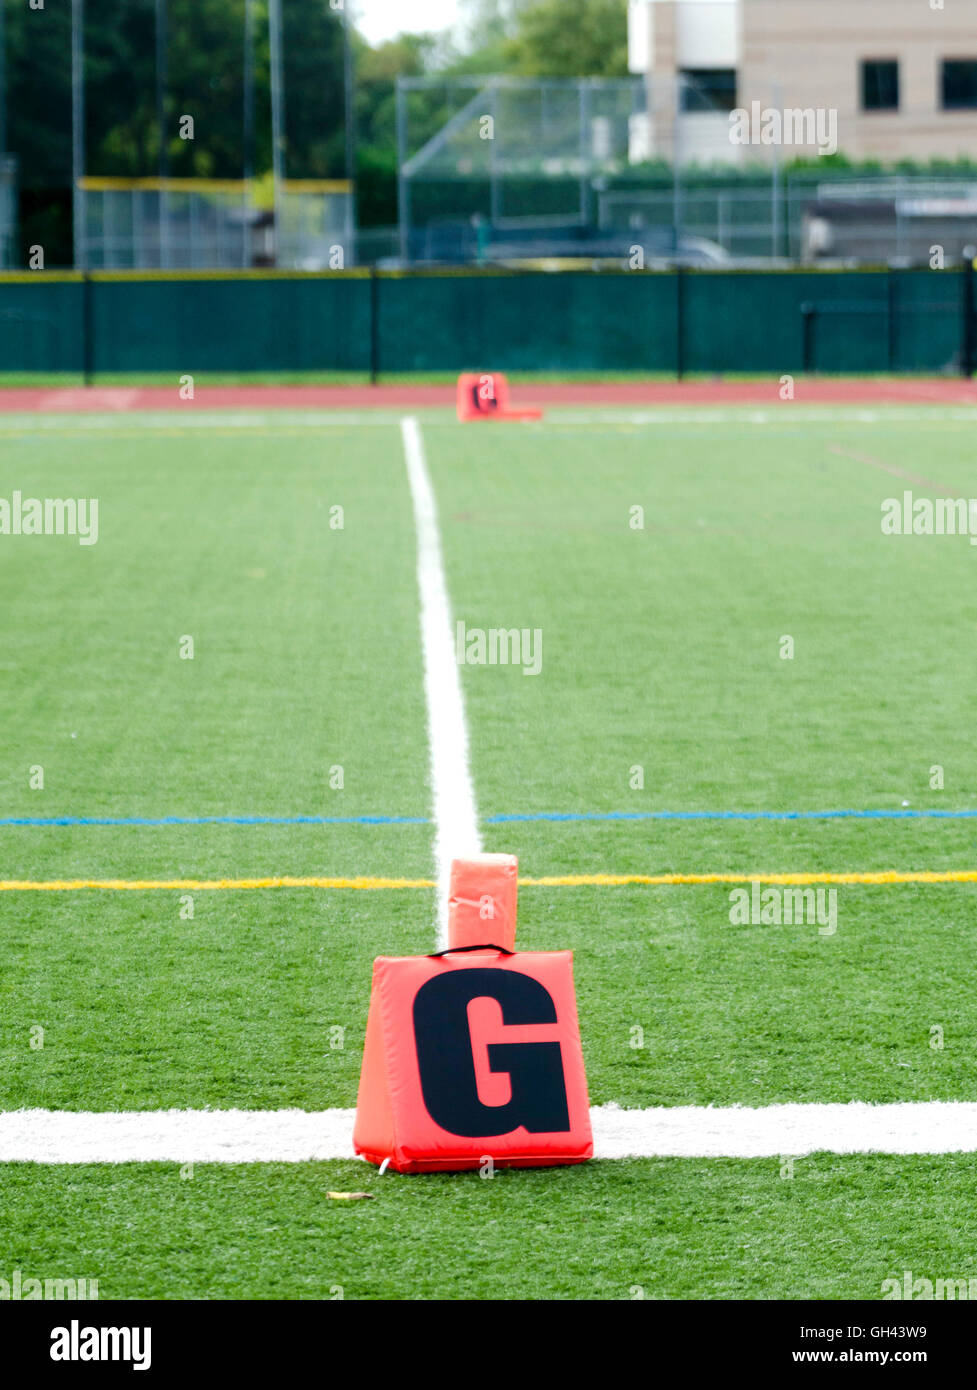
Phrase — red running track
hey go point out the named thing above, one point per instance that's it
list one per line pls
(837, 391)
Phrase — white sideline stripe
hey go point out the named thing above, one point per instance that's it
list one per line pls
(455, 817)
(177, 422)
(299, 1136)
(711, 416)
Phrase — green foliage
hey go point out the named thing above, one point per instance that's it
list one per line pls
(376, 185)
(587, 39)
(38, 95)
(409, 55)
(205, 80)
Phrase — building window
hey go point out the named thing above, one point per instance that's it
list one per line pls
(708, 89)
(880, 84)
(960, 84)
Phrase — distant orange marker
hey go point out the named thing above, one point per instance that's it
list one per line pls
(485, 396)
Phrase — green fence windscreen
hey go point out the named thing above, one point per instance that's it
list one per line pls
(239, 325)
(559, 322)
(443, 321)
(42, 325)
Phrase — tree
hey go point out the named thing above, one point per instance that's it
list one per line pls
(205, 60)
(409, 55)
(205, 53)
(586, 39)
(488, 24)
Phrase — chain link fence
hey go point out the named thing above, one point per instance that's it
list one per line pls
(502, 169)
(199, 224)
(894, 221)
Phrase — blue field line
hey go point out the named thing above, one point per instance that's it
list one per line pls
(558, 817)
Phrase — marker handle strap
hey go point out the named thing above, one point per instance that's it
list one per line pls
(455, 950)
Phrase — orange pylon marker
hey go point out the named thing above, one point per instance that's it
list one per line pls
(473, 1054)
(482, 901)
(471, 1057)
(485, 396)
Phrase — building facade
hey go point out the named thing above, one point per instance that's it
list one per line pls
(894, 79)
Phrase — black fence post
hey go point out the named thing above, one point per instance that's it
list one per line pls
(87, 329)
(892, 320)
(680, 322)
(809, 313)
(968, 346)
(374, 326)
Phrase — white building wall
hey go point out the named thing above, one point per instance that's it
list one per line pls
(641, 35)
(708, 33)
(703, 138)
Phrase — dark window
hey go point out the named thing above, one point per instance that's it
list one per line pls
(880, 84)
(709, 89)
(960, 84)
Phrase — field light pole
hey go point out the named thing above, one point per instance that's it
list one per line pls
(161, 84)
(3, 87)
(775, 185)
(248, 114)
(3, 133)
(678, 211)
(161, 77)
(403, 187)
(349, 114)
(277, 113)
(78, 132)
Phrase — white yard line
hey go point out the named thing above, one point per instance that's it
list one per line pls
(180, 1136)
(931, 1127)
(297, 1136)
(455, 818)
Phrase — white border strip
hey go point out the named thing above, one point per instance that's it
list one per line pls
(126, 423)
(298, 1136)
(455, 818)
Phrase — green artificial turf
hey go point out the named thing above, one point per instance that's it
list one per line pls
(665, 1228)
(661, 651)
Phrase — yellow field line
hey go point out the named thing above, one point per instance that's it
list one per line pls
(885, 876)
(192, 885)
